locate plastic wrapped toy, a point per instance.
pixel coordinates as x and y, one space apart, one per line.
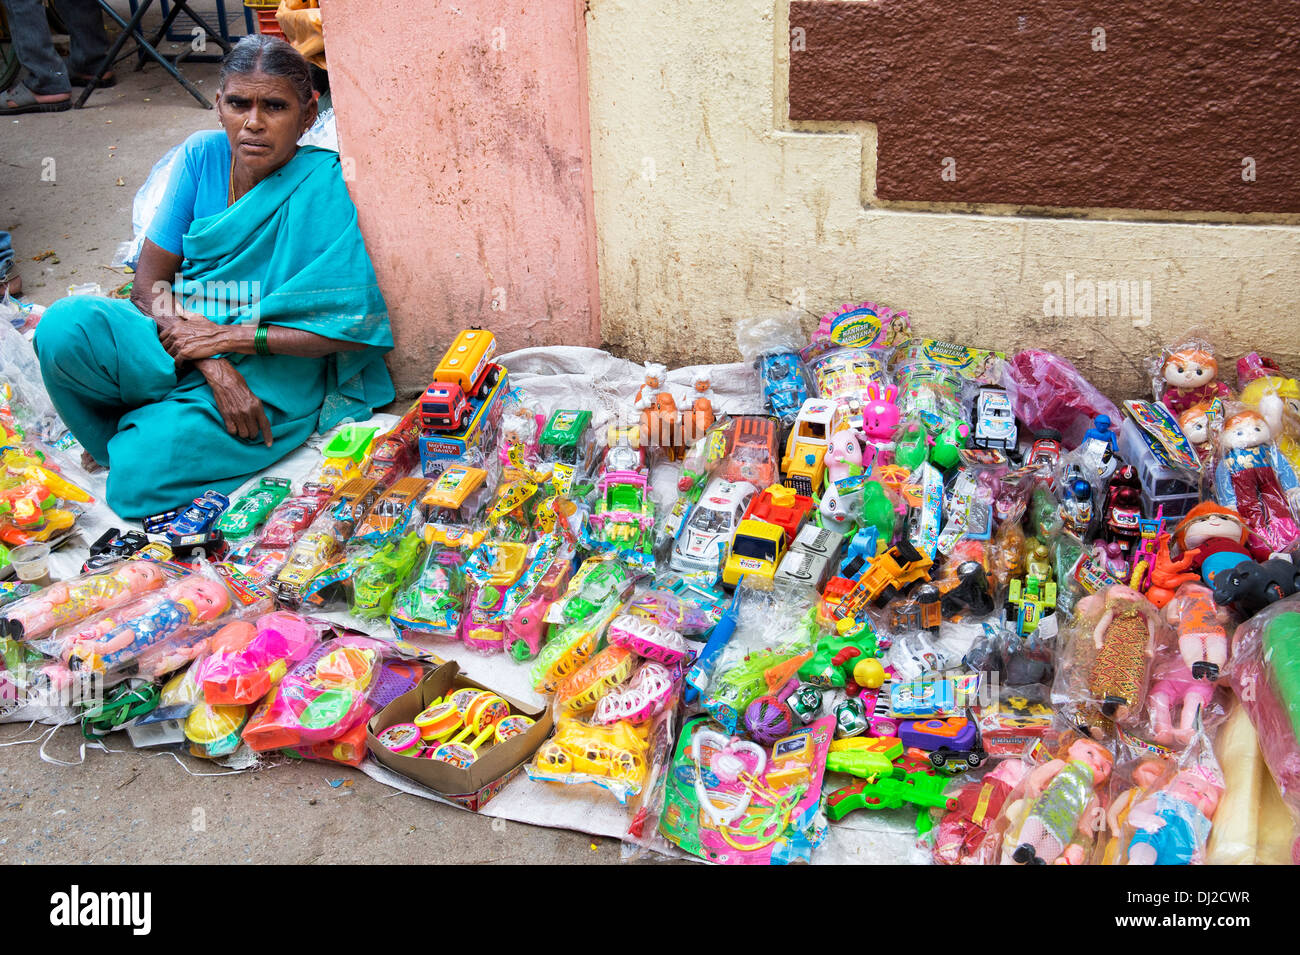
1165 817
69 601
1107 657
1189 375
116 641
1254 478
1210 539
1048 392
435 602
322 697
243 675
964 828
1186 675
1056 811
1266 679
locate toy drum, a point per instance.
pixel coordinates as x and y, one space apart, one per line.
513 726
438 721
403 738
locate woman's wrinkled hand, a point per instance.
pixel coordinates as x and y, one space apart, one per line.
192 337
241 410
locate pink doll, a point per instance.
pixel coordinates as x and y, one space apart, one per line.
1191 376
1062 801
72 600
1189 679
1256 480
844 456
1172 824
115 640
880 416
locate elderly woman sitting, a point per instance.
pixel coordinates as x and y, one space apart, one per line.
255 317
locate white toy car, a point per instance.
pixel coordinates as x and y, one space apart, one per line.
711 523
994 420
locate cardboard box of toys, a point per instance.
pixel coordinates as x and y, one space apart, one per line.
496 760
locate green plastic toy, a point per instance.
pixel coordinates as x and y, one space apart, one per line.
832 663
863 763
902 788
911 445
878 510
377 577
1281 640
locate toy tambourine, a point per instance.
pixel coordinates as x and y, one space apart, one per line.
401 738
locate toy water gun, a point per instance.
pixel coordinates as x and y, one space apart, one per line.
32 470
901 788
698 679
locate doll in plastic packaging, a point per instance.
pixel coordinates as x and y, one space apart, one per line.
1185 678
1060 808
1254 478
1108 659
68 601
1173 824
1277 398
114 640
1191 376
1195 425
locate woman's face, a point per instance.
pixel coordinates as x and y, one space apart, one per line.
264 119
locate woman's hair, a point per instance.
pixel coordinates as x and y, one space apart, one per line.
260 53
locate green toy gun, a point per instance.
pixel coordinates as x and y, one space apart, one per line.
900 788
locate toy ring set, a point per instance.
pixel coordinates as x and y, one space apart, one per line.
452 730
732 801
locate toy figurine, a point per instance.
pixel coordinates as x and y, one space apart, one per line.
1123 513
844 456
1195 425
880 416
1124 639
1062 801
1278 399
840 508
67 602
1211 538
1188 679
1254 478
647 394
114 640
1191 376
1172 825
1076 508
701 416
1252 586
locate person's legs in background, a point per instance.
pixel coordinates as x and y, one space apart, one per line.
89 46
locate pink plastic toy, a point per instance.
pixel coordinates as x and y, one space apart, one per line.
68 601
880 416
247 674
646 695
1173 824
648 639
1062 802
1047 392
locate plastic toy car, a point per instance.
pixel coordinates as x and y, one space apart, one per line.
596 583
292 517
113 546
567 439
805 448
396 453
756 550
464 371
752 452
994 421
624 515
393 514
195 525
312 554
379 576
345 453
886 576
253 508
453 498
811 557
711 524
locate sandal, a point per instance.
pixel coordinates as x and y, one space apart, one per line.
83 79
11 284
19 99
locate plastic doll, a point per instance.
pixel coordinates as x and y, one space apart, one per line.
1209 539
1191 376
1188 679
1173 824
115 640
69 601
1063 801
1254 477
647 394
844 456
1195 425
1124 639
1278 399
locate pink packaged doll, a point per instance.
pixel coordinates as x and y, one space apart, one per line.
1187 675
68 601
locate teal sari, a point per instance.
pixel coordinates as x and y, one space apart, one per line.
288 253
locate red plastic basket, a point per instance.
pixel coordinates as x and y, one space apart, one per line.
266 23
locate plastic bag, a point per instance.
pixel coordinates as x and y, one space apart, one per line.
147 200
1049 393
244 674
1187 374
774 333
1188 670
70 601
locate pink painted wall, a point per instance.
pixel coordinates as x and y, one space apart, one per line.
467 130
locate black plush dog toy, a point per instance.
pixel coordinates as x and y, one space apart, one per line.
1253 586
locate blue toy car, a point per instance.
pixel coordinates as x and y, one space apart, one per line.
194 525
784 387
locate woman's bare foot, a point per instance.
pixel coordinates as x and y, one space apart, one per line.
89 464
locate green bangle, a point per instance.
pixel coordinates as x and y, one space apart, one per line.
260 344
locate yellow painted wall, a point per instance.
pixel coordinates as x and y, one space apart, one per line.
711 206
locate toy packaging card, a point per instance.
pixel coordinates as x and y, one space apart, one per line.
1162 434
734 802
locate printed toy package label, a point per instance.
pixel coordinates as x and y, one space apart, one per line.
1164 437
972 364
731 801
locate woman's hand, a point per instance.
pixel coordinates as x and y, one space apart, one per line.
192 337
240 409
